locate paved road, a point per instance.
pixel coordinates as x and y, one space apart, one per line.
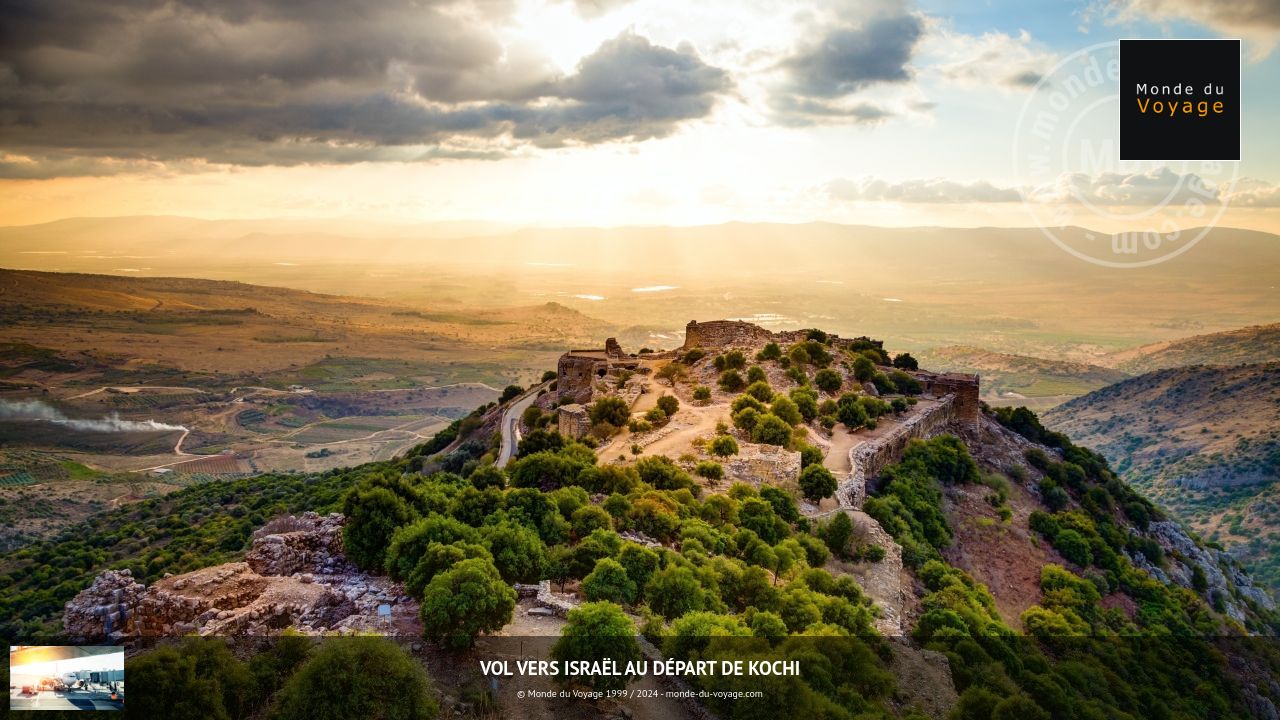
510 419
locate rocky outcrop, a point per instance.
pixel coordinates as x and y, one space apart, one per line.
1186 555
289 545
104 609
294 575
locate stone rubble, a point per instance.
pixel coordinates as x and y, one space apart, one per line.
294 575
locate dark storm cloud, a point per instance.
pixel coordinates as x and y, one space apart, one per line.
844 61
86 84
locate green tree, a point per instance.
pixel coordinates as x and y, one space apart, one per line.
610 409
595 631
760 390
364 677
439 557
373 516
702 393
771 430
817 482
518 553
837 532
724 446
756 374
731 381
709 470
863 368
675 591
770 351
609 581
198 679
785 408
1073 547
487 476
904 361
410 542
662 473
669 404
828 381
461 603
589 518
510 392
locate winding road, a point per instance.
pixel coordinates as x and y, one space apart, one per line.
511 420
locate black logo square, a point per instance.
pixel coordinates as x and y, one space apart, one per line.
1180 99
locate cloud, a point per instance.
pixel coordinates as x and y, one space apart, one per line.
1159 186
934 190
1254 20
821 76
1252 193
285 83
992 59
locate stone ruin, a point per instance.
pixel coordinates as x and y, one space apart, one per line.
578 371
572 421
294 575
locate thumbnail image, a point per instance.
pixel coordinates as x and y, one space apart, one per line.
66 677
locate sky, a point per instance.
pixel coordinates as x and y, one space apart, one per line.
604 112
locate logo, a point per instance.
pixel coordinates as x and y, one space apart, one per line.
1093 195
1179 99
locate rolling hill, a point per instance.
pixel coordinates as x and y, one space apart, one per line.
1254 344
1200 440
1019 379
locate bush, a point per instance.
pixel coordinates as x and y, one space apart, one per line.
675 591
863 368
609 581
340 681
817 482
785 408
510 392
731 381
905 362
655 416
760 391
662 473
409 542
702 393
487 476
770 351
836 534
724 446
1074 547
595 631
589 518
373 515
611 410
437 558
669 404
771 430
710 470
201 679
518 553
461 603
755 374
828 381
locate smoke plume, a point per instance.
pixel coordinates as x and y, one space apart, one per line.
36 410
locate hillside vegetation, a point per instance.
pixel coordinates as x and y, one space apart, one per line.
1202 441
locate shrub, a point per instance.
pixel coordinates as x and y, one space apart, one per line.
675 591
771 430
702 393
755 374
785 408
595 631
655 416
487 476
817 482
828 381
461 603
589 518
669 404
905 362
836 534
770 351
398 690
1074 547
437 558
609 581
510 392
863 368
373 515
709 470
760 391
611 410
199 679
662 473
518 553
731 381
724 446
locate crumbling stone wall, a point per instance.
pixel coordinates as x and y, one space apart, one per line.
572 421
716 334
760 465
869 458
963 386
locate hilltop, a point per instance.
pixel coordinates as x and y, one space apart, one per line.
1200 440
1254 344
838 491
